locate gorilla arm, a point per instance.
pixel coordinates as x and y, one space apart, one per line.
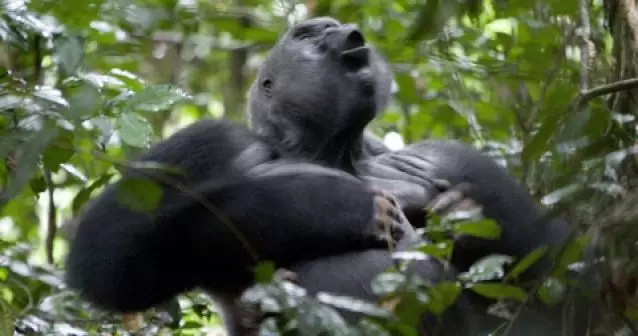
421 165
123 260
475 176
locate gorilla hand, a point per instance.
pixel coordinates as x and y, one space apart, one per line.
452 198
389 217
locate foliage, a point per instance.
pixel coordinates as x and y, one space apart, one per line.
84 85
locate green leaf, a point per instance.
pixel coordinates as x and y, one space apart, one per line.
571 253
527 262
486 228
443 295
84 101
131 80
539 143
264 272
7 318
70 53
59 151
552 291
51 96
38 184
387 283
499 291
488 268
317 319
27 157
156 98
438 250
140 194
352 304
85 193
134 129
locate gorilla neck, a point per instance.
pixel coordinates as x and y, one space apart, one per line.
336 149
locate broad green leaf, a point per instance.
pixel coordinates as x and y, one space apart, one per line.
387 283
499 291
27 157
486 228
352 304
134 130
552 291
316 319
438 250
139 194
527 262
70 53
264 272
7 318
38 184
487 268
84 102
443 295
571 253
59 151
131 80
155 98
51 96
85 193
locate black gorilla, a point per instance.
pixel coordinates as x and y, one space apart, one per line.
319 88
235 200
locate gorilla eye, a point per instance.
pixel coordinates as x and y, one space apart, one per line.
266 83
302 35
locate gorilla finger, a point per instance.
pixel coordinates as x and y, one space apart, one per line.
445 201
467 204
283 274
442 185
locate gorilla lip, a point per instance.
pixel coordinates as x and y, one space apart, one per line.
357 52
357 57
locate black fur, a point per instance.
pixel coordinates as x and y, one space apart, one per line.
288 211
318 106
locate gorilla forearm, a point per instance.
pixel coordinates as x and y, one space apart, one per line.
125 260
499 194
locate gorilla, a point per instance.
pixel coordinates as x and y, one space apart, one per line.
230 199
315 94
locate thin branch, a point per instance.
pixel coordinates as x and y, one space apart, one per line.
586 96
52 226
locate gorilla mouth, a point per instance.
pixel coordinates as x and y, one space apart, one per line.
356 58
356 54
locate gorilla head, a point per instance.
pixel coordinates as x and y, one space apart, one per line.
318 89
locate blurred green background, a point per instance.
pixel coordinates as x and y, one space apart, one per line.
84 84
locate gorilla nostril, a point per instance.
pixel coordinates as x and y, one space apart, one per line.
354 40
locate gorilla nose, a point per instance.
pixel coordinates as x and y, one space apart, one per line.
352 46
354 39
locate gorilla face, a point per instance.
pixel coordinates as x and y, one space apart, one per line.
321 80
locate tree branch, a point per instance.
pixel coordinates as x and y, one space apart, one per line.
587 95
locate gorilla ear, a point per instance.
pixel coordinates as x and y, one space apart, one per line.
266 86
